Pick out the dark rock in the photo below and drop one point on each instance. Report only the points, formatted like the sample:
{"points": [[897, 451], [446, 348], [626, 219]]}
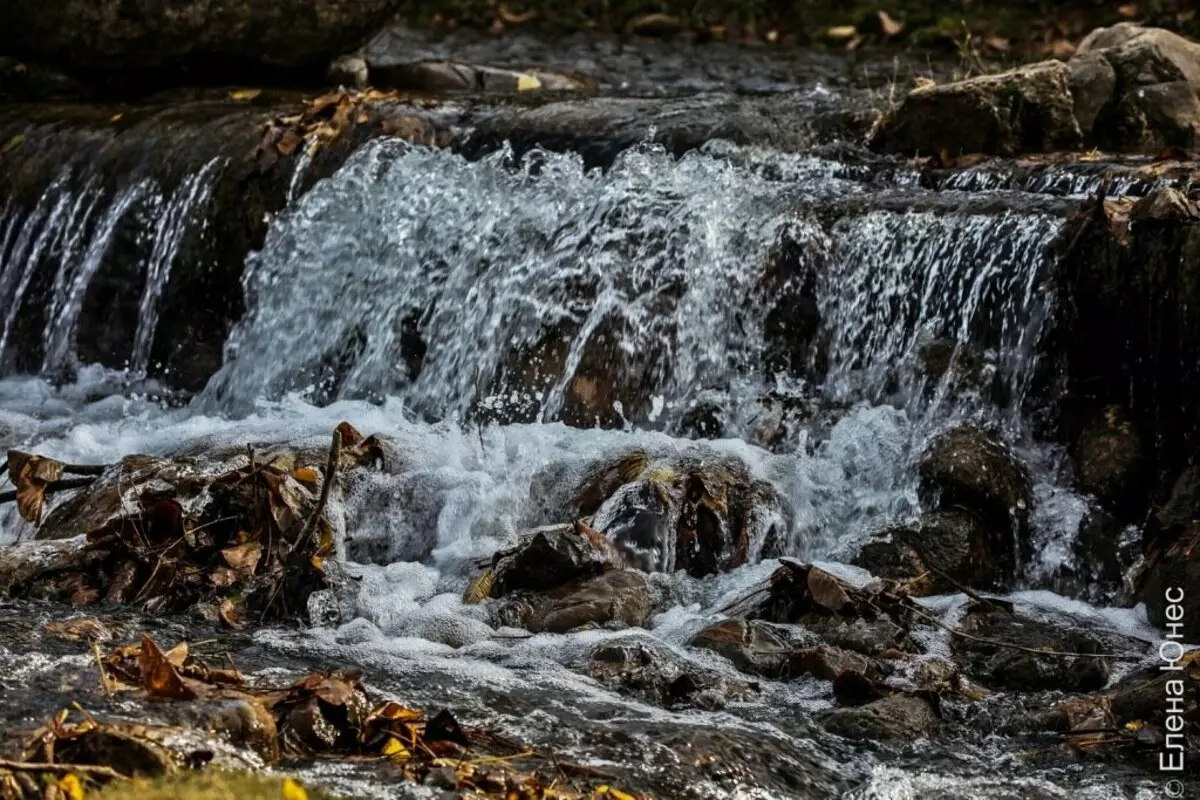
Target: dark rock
{"points": [[1157, 83], [1092, 83], [899, 716], [1012, 665], [698, 511], [1172, 577], [950, 546], [754, 647], [619, 597], [549, 558], [867, 620], [1128, 318], [1027, 109], [827, 663], [647, 669], [350, 71], [1098, 553], [969, 467], [1110, 463], [218, 40]]}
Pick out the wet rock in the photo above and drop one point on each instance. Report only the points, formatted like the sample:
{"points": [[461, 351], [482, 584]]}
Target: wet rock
{"points": [[1092, 83], [649, 670], [1098, 554], [1014, 664], [754, 647], [971, 468], [868, 620], [947, 546], [899, 716], [451, 76], [1157, 83], [1110, 463], [827, 663], [698, 511], [1027, 109], [350, 71], [214, 40], [549, 558], [1171, 577], [1128, 319], [620, 597]]}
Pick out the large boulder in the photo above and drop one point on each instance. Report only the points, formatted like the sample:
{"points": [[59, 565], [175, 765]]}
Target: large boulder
{"points": [[1027, 109], [1155, 87], [1110, 463], [203, 37], [936, 553], [968, 467]]}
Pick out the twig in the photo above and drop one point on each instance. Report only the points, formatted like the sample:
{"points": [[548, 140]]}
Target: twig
{"points": [[971, 593], [82, 769], [10, 495], [1011, 646], [335, 448], [108, 689]]}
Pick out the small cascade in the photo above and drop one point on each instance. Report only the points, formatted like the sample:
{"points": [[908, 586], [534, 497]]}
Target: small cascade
{"points": [[175, 214], [951, 299], [59, 245]]}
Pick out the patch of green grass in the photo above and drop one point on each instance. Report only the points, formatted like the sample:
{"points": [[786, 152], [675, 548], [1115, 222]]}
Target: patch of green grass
{"points": [[209, 785]]}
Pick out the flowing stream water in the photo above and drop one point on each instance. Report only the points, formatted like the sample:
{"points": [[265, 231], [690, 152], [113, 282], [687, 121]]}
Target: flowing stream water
{"points": [[415, 292]]}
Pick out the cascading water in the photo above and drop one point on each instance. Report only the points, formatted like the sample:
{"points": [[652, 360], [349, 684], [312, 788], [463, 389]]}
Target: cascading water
{"points": [[418, 293]]}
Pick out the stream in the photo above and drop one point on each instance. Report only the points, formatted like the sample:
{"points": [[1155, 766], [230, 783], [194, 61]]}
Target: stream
{"points": [[508, 318]]}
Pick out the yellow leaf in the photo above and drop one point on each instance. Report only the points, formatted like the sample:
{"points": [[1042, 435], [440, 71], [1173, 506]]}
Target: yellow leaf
{"points": [[244, 95], [841, 33], [13, 143], [116, 117], [608, 791], [307, 475], [292, 790], [318, 563], [1134, 725], [71, 787], [526, 82], [395, 750]]}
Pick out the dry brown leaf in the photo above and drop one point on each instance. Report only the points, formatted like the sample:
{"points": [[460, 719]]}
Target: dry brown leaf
{"points": [[888, 25], [159, 676], [827, 590], [510, 17], [244, 95], [479, 589], [31, 475], [229, 614], [243, 557]]}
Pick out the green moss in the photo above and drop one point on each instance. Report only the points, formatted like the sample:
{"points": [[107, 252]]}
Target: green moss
{"points": [[210, 785]]}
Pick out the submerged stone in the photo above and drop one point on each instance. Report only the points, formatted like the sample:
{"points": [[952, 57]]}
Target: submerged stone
{"points": [[899, 716]]}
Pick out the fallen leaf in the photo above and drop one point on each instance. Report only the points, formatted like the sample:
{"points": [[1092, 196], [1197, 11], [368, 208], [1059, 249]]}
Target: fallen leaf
{"points": [[159, 676], [527, 82], [229, 614], [243, 557], [479, 589], [71, 786], [116, 117], [1128, 10], [510, 17], [13, 143], [827, 590], [31, 475], [394, 750], [841, 33], [889, 26], [292, 790], [244, 95]]}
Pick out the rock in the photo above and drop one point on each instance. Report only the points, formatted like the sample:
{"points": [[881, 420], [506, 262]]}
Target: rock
{"points": [[647, 669], [973, 469], [349, 71], [1156, 86], [826, 663], [1098, 554], [549, 558], [1000, 667], [1171, 578], [1093, 82], [1027, 109], [451, 76], [1129, 316], [947, 546], [207, 39], [697, 511], [620, 597], [899, 716], [1110, 463], [754, 647], [868, 620]]}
